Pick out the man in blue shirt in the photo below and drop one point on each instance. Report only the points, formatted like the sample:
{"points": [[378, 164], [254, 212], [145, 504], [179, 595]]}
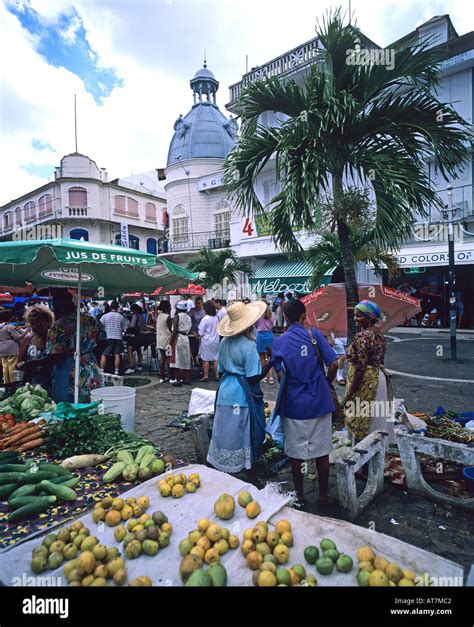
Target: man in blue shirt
{"points": [[305, 404]]}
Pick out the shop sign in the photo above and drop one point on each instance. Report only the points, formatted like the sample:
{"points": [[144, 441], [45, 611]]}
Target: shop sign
{"points": [[273, 286], [67, 275], [435, 259]]}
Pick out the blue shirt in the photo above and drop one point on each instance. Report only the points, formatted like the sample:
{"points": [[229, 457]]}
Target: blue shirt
{"points": [[307, 394], [236, 355]]}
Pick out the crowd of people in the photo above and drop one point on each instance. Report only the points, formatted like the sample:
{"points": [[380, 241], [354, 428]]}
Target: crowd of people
{"points": [[244, 344]]}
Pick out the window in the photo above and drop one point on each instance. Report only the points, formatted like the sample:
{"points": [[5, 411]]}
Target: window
{"points": [[134, 242], [132, 207], [150, 211], [126, 206], [77, 197], [45, 204], [222, 224], [30, 211], [151, 246], [18, 219], [79, 234], [7, 220], [179, 224]]}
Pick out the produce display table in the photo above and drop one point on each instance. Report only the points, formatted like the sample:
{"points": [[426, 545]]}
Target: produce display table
{"points": [[183, 514]]}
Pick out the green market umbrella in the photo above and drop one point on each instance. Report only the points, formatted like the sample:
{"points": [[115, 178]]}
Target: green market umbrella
{"points": [[76, 263]]}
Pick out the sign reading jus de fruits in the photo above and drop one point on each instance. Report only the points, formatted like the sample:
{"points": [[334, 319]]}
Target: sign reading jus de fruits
{"points": [[110, 257]]}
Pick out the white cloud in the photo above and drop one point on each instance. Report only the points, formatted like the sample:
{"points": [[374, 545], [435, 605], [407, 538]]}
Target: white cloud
{"points": [[155, 47]]}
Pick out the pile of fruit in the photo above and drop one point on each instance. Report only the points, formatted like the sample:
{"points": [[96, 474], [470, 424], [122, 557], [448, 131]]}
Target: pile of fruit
{"points": [[145, 466], [177, 485], [224, 507], [146, 536], [32, 488], [114, 511], [89, 563], [377, 571], [328, 557], [206, 544], [260, 542]]}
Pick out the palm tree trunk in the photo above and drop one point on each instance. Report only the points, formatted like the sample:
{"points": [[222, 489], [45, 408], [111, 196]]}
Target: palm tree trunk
{"points": [[352, 295]]}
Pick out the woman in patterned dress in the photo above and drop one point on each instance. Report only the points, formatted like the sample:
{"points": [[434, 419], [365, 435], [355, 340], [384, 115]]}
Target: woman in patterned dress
{"points": [[61, 345], [368, 392], [180, 358]]}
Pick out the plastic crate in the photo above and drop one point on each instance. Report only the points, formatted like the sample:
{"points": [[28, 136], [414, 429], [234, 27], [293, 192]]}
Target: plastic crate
{"points": [[111, 379]]}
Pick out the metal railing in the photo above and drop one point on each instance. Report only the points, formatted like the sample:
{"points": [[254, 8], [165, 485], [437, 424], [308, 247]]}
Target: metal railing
{"points": [[77, 212], [286, 64], [195, 241]]}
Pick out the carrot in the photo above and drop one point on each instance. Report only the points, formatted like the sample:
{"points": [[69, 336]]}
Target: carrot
{"points": [[18, 427], [19, 436], [31, 444], [31, 436]]}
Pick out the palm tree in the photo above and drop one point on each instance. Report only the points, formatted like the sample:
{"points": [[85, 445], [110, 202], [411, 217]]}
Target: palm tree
{"points": [[326, 254], [218, 266], [368, 125]]}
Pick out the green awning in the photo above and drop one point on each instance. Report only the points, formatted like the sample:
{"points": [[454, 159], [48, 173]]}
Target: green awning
{"points": [[283, 275]]}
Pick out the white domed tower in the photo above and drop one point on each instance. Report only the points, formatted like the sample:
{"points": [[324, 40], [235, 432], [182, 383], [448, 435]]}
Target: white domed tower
{"points": [[199, 214]]}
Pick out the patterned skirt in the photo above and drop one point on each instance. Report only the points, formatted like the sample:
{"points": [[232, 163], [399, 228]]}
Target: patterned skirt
{"points": [[230, 449]]}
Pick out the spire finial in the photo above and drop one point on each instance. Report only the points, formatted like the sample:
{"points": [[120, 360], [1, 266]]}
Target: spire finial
{"points": [[205, 62]]}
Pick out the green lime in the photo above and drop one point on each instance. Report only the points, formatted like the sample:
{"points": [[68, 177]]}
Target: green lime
{"points": [[299, 570], [283, 576], [333, 554], [363, 578], [311, 554], [327, 544], [324, 565], [344, 563]]}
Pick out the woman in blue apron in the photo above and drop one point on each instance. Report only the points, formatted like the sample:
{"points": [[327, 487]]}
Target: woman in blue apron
{"points": [[239, 420]]}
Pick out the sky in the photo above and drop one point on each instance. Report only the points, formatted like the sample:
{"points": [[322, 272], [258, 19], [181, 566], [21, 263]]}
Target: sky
{"points": [[129, 63]]}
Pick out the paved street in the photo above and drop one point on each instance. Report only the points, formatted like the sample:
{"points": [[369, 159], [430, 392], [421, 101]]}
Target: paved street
{"points": [[440, 529]]}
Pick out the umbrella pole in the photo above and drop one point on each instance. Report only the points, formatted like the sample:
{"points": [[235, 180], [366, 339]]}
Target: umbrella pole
{"points": [[77, 354]]}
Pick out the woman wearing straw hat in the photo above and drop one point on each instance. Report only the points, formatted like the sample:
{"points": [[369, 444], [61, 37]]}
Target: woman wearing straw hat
{"points": [[239, 422]]}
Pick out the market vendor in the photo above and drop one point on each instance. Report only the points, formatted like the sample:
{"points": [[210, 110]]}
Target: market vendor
{"points": [[239, 422], [10, 337], [368, 390], [61, 345], [33, 346]]}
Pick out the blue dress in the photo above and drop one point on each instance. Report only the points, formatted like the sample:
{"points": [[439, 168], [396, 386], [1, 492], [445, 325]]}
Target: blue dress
{"points": [[239, 422]]}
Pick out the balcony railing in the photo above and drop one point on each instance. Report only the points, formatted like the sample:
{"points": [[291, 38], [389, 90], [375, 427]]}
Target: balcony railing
{"points": [[285, 65], [195, 241], [77, 212], [462, 199]]}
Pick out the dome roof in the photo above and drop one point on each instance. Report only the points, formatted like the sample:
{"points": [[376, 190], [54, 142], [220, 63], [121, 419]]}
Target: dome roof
{"points": [[204, 73], [203, 132]]}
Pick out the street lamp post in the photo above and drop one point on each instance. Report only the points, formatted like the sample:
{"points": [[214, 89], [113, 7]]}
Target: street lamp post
{"points": [[452, 275]]}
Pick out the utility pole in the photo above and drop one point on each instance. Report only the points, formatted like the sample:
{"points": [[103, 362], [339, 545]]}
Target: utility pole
{"points": [[452, 275]]}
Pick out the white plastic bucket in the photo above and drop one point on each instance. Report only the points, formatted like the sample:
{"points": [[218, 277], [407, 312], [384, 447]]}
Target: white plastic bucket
{"points": [[118, 399]]}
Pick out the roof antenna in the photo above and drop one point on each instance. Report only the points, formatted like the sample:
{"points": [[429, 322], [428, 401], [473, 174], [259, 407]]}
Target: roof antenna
{"points": [[75, 121], [205, 62]]}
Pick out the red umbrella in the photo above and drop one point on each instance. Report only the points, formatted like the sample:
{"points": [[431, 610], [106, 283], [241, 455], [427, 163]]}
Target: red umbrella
{"points": [[141, 294], [191, 289], [6, 298], [326, 308], [20, 291]]}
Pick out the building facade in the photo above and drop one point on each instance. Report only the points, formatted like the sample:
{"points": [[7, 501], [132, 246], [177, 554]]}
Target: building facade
{"points": [[81, 203]]}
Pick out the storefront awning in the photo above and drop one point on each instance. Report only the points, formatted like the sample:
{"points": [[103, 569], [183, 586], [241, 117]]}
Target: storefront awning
{"points": [[282, 275]]}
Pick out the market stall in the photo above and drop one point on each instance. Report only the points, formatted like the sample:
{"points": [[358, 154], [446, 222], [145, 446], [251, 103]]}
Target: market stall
{"points": [[185, 513]]}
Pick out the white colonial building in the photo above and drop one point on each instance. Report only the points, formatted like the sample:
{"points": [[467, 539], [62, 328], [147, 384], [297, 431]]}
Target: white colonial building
{"points": [[82, 203]]}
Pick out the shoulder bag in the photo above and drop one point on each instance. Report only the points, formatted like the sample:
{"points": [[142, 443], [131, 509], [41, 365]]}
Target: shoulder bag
{"points": [[338, 412]]}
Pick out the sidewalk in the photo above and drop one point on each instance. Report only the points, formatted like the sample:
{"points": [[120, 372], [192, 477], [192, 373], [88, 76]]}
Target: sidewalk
{"points": [[461, 334]]}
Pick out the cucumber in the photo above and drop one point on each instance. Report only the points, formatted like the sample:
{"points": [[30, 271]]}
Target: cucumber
{"points": [[66, 480], [59, 470], [70, 483], [10, 477], [24, 490], [14, 467], [143, 450], [29, 510], [61, 491], [11, 459], [20, 501], [34, 477], [8, 454], [125, 456], [6, 490]]}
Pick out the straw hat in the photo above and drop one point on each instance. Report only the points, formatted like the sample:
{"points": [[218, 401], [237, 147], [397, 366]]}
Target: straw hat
{"points": [[240, 317]]}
